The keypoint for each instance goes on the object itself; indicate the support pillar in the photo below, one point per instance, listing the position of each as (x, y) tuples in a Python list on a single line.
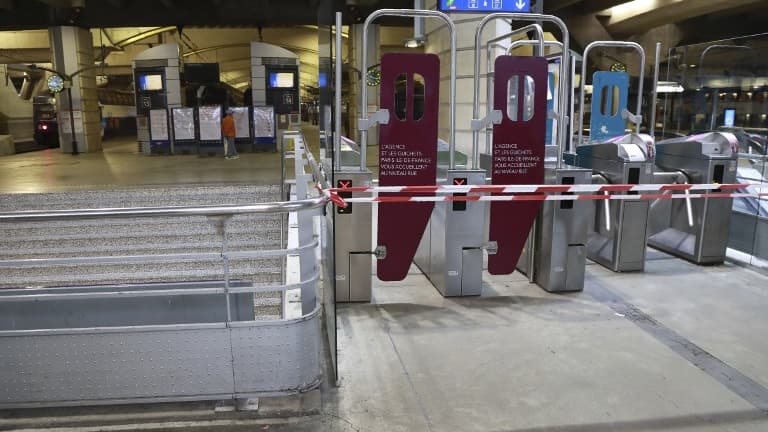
[(72, 51)]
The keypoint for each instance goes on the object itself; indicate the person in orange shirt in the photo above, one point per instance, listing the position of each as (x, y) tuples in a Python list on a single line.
[(228, 132)]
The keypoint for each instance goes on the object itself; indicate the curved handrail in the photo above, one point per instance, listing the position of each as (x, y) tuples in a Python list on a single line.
[(364, 61), (138, 212), (492, 43), (564, 72), (610, 44)]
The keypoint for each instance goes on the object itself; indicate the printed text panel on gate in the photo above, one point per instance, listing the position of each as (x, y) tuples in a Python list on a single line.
[(410, 90), (520, 93)]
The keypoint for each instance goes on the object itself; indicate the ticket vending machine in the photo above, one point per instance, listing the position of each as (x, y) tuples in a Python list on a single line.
[(618, 232), (157, 88), (696, 230), (275, 84)]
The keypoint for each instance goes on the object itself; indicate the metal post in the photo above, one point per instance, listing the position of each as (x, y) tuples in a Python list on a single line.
[(585, 59), (364, 94), (563, 72), (337, 94), (72, 120), (572, 102), (652, 125), (715, 93)]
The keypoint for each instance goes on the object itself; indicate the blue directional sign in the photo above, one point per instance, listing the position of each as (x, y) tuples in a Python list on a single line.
[(484, 5)]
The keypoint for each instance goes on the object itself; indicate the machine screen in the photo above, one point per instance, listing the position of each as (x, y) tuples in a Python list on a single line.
[(730, 117), (150, 82), (281, 79)]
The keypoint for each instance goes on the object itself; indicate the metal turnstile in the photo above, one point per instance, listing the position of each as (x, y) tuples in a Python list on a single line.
[(696, 230), (450, 253), (618, 232)]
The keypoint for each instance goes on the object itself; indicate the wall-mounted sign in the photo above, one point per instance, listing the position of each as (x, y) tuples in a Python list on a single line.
[(730, 117), (158, 125), (479, 6), (66, 124), (210, 123), (242, 124), (264, 122), (183, 124)]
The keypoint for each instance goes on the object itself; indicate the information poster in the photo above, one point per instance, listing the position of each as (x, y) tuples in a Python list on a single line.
[(242, 125), (66, 124), (210, 122), (158, 125), (183, 124), (264, 122)]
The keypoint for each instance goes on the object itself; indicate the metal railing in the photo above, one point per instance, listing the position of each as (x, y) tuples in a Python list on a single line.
[(142, 332), (217, 215)]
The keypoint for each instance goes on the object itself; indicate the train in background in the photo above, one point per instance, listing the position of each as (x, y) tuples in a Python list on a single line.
[(45, 122)]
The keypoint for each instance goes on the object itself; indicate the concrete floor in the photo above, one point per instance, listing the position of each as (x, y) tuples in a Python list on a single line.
[(678, 347), (120, 165)]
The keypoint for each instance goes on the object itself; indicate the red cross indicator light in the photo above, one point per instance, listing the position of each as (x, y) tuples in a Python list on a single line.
[(459, 205), (344, 184)]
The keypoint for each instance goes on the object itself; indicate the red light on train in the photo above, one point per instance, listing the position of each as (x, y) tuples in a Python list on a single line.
[(44, 127)]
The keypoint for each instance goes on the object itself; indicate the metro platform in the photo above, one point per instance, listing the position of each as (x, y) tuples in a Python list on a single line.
[(679, 347)]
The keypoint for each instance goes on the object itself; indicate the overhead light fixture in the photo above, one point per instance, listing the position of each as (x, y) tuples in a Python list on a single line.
[(419, 37), (692, 66), (413, 43), (669, 87)]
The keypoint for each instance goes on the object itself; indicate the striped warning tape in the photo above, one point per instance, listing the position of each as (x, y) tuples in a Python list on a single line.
[(541, 197), (579, 188)]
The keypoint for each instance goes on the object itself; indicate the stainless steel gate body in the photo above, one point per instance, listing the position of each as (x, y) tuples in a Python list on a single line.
[(704, 158), (618, 232), (559, 237), (353, 241), (450, 253), (618, 235)]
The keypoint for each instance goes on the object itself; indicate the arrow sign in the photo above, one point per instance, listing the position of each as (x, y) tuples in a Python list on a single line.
[(476, 6)]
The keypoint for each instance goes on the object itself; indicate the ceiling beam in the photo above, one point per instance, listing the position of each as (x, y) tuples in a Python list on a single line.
[(638, 16)]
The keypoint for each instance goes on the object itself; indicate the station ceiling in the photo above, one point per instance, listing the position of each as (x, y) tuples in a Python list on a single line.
[(220, 30), (697, 20)]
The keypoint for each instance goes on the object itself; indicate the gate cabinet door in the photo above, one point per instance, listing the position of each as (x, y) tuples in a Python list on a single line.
[(410, 90), (520, 93)]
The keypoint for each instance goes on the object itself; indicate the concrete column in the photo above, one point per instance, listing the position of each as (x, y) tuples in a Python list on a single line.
[(72, 51), (438, 42), (374, 57)]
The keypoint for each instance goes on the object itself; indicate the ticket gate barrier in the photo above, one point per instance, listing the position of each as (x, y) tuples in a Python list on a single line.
[(696, 230), (408, 157), (352, 248), (559, 237), (618, 233), (451, 251), (518, 116)]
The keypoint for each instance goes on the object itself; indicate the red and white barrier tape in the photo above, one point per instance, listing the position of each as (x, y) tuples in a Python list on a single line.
[(542, 197), (540, 188)]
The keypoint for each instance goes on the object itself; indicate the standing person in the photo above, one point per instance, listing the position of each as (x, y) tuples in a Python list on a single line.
[(228, 132)]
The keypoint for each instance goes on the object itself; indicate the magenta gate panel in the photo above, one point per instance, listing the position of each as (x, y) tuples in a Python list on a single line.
[(407, 154), (520, 93)]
